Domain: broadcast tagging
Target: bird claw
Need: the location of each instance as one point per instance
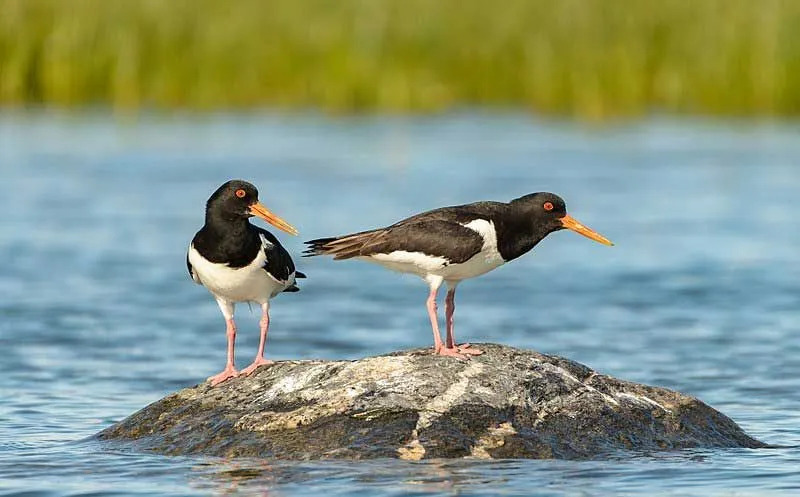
(256, 364)
(467, 349)
(226, 374)
(451, 352)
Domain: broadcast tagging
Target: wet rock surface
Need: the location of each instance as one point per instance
(507, 403)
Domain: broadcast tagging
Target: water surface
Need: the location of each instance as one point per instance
(98, 316)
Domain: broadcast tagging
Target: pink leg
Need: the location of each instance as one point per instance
(450, 309)
(259, 360)
(438, 347)
(431, 305)
(230, 369)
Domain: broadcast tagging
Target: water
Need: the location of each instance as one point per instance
(99, 318)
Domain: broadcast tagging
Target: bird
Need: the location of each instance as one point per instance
(239, 262)
(451, 244)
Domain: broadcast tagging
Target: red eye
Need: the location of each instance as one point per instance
(548, 206)
(240, 193)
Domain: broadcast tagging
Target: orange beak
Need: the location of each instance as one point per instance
(259, 210)
(571, 223)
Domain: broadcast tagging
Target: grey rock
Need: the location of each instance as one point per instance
(507, 403)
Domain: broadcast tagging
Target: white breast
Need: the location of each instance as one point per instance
(250, 283)
(484, 261)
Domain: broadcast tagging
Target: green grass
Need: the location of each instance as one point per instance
(587, 58)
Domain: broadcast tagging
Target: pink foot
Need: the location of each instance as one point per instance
(226, 374)
(256, 364)
(467, 349)
(453, 352)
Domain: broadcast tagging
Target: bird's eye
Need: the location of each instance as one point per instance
(240, 193)
(548, 206)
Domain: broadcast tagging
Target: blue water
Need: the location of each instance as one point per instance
(98, 316)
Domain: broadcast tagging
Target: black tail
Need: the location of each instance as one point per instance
(317, 247)
(293, 287)
(343, 247)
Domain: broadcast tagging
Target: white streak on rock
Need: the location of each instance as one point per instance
(442, 403)
(641, 399)
(609, 399)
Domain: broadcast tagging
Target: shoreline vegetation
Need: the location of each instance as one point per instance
(590, 59)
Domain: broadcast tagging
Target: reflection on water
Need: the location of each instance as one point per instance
(98, 317)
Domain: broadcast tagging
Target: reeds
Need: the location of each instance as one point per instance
(587, 58)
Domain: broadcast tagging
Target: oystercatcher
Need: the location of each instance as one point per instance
(452, 244)
(239, 262)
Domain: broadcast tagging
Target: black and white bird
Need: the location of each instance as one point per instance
(239, 262)
(451, 244)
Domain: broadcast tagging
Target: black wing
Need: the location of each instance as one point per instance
(435, 237)
(279, 263)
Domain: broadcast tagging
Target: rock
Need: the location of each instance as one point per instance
(507, 403)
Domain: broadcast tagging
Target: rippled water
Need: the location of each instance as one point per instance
(98, 316)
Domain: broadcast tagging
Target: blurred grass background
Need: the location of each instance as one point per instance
(591, 59)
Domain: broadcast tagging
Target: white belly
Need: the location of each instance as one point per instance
(408, 262)
(246, 284)
(424, 265)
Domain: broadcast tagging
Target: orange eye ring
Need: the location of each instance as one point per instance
(548, 206)
(240, 193)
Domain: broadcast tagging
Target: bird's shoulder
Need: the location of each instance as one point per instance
(278, 263)
(269, 242)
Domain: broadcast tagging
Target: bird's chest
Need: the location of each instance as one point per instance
(484, 261)
(246, 283)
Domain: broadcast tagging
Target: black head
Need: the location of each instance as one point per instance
(548, 213)
(237, 199)
(233, 199)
